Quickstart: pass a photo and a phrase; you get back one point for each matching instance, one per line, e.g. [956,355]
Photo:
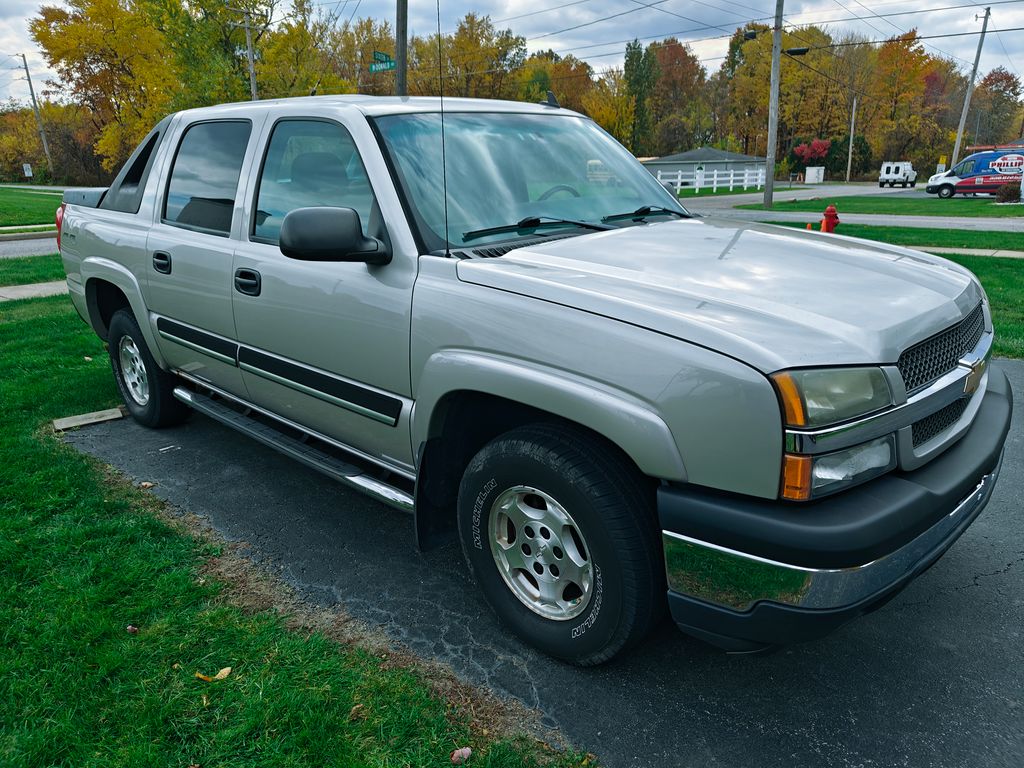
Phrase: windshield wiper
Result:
[647,210]
[531,223]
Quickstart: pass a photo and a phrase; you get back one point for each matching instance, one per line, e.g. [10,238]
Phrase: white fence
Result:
[713,180]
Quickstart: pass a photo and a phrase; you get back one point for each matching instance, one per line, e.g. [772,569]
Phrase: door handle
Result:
[248,281]
[162,262]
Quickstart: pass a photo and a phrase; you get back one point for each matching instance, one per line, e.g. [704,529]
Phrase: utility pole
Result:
[248,48]
[853,125]
[252,63]
[401,47]
[773,107]
[970,89]
[39,118]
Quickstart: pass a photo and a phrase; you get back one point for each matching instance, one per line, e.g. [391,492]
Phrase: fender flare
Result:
[620,417]
[107,270]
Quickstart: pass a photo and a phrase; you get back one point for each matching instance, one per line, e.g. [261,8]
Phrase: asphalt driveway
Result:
[936,678]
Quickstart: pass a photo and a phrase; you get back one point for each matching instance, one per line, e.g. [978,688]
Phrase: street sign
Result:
[382,66]
[380,56]
[27,169]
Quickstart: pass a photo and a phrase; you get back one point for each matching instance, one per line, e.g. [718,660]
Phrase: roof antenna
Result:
[551,101]
[444,164]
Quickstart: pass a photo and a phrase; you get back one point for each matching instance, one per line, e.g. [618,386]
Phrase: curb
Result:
[44,235]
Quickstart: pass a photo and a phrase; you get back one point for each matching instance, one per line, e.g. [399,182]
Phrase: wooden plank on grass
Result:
[95,417]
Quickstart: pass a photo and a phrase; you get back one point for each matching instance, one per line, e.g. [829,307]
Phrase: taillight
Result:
[59,217]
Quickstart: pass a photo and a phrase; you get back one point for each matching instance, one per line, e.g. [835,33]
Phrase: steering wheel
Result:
[559,188]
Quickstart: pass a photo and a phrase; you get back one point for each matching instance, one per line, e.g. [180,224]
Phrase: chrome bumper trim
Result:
[738,580]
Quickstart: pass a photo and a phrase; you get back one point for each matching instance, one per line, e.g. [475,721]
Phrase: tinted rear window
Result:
[204,178]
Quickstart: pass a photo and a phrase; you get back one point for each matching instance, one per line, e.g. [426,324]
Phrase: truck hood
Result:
[769,296]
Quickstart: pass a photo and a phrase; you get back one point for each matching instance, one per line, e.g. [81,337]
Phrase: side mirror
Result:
[329,234]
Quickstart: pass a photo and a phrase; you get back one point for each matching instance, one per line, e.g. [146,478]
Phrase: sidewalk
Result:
[32,291]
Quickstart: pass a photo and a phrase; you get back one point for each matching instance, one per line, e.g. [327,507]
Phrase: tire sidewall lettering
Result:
[478,509]
[580,630]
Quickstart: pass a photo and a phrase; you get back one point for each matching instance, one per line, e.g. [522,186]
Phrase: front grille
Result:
[926,361]
[930,426]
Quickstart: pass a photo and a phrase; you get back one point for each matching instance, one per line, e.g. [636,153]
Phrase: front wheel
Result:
[146,388]
[560,533]
[946,192]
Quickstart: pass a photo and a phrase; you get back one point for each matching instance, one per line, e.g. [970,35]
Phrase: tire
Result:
[913,184]
[946,192]
[881,184]
[904,185]
[588,509]
[147,389]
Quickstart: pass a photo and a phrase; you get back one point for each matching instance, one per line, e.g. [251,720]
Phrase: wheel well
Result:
[103,299]
[462,423]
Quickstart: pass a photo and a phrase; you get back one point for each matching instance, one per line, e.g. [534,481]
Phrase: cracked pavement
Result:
[935,678]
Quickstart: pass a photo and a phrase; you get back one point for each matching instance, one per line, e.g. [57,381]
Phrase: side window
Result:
[309,163]
[125,193]
[204,178]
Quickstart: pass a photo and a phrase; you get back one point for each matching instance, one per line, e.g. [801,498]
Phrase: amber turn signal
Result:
[792,403]
[796,477]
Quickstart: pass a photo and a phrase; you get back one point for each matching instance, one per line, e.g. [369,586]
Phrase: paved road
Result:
[918,222]
[934,679]
[783,192]
[37,246]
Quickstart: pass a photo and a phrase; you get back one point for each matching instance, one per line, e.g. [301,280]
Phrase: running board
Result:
[349,474]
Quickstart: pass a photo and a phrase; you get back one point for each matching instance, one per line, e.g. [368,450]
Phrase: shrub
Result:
[1008,193]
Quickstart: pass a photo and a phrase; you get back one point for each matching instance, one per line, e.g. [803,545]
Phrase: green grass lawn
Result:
[31,269]
[27,206]
[898,205]
[941,238]
[83,555]
[1004,283]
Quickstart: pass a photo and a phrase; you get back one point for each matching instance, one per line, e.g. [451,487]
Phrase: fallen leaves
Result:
[356,713]
[461,755]
[219,676]
[131,629]
[146,485]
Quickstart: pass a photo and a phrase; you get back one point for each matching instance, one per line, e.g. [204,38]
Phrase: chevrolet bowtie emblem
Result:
[973,380]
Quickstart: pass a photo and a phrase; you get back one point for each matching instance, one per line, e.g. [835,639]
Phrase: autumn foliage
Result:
[123,64]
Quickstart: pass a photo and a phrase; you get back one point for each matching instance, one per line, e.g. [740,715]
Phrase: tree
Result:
[296,57]
[995,107]
[612,106]
[568,77]
[113,61]
[641,74]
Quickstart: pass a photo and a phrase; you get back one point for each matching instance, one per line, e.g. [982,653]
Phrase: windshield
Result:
[506,167]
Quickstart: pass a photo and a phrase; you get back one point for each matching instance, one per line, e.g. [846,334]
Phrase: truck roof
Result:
[376,105]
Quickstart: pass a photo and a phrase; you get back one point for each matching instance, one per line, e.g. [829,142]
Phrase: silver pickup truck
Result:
[618,407]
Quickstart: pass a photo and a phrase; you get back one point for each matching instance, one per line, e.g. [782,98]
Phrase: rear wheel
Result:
[147,389]
[560,533]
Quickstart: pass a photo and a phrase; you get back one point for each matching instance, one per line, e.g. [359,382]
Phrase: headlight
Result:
[810,477]
[817,398]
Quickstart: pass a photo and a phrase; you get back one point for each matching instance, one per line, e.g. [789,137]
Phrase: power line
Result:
[597,21]
[542,10]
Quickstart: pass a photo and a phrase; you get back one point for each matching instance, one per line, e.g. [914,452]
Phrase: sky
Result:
[597,30]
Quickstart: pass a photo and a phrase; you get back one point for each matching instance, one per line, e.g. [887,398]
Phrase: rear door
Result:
[190,251]
[325,344]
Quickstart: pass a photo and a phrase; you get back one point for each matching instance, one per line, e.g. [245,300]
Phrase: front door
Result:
[324,344]
[189,281]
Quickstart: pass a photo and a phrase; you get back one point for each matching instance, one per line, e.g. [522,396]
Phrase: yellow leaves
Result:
[610,104]
[221,675]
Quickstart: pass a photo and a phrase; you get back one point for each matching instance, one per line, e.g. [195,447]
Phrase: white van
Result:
[901,173]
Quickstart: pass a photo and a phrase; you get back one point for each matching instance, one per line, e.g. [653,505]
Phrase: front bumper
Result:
[747,574]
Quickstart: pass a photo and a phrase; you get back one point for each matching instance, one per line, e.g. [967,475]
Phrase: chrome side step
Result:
[332,466]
